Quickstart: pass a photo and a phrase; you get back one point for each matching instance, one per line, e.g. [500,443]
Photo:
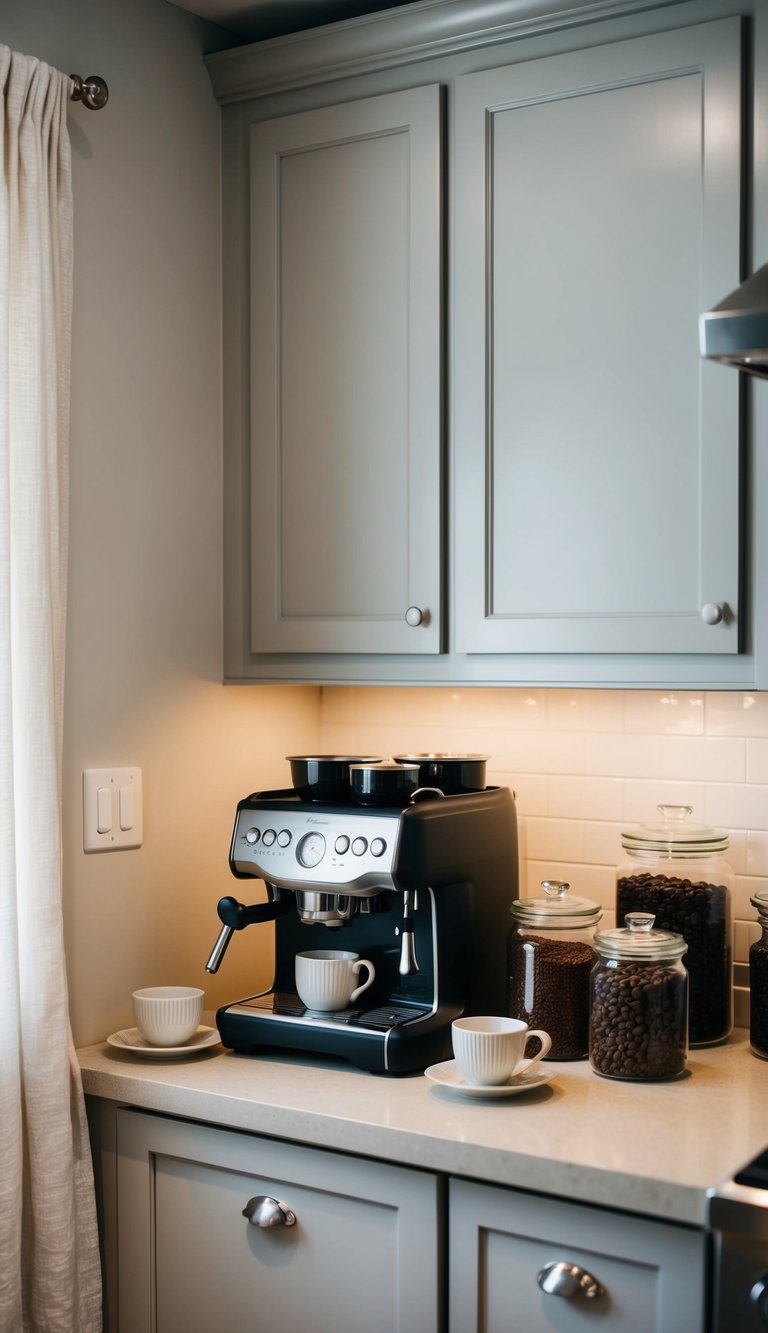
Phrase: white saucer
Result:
[130,1039]
[448,1075]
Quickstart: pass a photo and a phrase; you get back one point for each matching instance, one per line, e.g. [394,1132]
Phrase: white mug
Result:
[489,1050]
[168,1015]
[325,978]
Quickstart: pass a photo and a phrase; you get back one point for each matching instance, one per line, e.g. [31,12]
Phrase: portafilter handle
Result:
[236,916]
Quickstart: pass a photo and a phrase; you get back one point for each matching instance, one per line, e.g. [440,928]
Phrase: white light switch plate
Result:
[112,809]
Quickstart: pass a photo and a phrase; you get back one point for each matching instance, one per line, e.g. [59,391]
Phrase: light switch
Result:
[112,809]
[103,810]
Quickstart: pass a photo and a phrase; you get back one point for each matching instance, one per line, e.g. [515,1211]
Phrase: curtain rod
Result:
[92,91]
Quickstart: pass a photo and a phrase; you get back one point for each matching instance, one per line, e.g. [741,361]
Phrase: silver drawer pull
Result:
[262,1211]
[570,1281]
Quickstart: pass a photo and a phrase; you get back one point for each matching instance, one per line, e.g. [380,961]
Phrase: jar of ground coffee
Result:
[638,1002]
[550,960]
[758,980]
[675,868]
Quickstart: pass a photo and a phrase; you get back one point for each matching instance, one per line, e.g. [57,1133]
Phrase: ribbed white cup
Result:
[326,979]
[490,1049]
[168,1015]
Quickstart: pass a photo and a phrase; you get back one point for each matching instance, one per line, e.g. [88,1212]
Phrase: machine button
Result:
[360,846]
[268,837]
[252,836]
[341,844]
[378,847]
[284,838]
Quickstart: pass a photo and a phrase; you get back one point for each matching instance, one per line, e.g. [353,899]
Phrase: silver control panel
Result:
[335,852]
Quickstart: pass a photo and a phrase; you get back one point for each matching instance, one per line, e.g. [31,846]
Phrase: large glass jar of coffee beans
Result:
[550,961]
[638,1002]
[758,980]
[676,869]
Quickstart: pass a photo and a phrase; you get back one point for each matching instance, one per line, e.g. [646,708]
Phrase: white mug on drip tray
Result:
[489,1050]
[326,979]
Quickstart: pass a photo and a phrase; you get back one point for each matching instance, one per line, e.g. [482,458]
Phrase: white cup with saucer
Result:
[490,1049]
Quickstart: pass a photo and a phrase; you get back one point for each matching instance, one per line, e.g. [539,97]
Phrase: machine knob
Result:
[570,1281]
[711,613]
[262,1211]
[758,1299]
[414,616]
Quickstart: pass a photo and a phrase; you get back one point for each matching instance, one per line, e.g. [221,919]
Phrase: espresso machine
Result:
[422,887]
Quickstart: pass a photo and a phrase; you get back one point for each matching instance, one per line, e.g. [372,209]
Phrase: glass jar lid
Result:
[760,902]
[556,908]
[675,834]
[639,941]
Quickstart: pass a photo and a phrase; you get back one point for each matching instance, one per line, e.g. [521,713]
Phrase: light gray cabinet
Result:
[592,515]
[343,446]
[598,203]
[361,1252]
[598,1269]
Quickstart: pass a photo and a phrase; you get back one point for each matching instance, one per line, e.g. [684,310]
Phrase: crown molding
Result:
[392,37]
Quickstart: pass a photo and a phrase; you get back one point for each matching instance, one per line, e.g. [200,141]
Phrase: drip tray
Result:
[285,1005]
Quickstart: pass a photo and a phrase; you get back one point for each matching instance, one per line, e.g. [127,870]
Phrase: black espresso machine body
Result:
[423,891]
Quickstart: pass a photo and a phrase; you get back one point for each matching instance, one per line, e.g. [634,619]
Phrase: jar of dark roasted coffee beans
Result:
[638,1002]
[758,980]
[550,961]
[676,869]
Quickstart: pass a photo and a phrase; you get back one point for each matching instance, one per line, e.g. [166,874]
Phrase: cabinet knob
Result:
[414,616]
[758,1299]
[711,613]
[570,1281]
[262,1211]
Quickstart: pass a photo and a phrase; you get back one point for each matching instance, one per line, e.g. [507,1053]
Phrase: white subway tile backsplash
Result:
[585,764]
[705,758]
[757,759]
[664,712]
[736,714]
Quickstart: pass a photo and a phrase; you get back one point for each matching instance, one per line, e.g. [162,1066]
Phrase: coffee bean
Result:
[700,912]
[549,989]
[638,1020]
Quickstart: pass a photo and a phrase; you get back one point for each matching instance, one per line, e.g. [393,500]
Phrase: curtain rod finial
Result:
[92,91]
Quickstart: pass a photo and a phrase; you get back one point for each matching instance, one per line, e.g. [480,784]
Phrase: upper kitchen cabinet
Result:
[581,500]
[341,466]
[597,459]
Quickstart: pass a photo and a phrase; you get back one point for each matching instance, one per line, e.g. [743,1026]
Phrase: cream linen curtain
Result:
[49,1262]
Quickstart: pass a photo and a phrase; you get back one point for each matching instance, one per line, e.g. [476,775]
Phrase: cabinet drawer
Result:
[362,1252]
[653,1274]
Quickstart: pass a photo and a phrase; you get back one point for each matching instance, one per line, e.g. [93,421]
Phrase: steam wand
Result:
[236,916]
[408,963]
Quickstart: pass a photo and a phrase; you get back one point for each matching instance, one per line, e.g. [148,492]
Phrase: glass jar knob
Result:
[555,888]
[639,921]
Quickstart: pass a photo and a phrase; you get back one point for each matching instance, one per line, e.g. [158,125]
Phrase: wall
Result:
[143,657]
[586,763]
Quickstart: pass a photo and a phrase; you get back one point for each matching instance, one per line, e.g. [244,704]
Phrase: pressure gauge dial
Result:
[310,850]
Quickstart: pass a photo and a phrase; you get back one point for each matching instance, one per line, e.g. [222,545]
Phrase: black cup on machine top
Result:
[384,783]
[324,777]
[452,773]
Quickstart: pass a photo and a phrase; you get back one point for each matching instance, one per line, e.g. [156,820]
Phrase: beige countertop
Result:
[651,1148]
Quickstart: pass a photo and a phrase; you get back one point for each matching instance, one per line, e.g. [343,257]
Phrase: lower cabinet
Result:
[520,1263]
[219,1231]
[361,1252]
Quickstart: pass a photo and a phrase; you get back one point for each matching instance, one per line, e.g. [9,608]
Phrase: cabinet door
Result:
[652,1275]
[345,483]
[597,458]
[362,1253]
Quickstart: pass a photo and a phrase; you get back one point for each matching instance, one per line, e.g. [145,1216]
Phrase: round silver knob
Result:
[570,1281]
[414,616]
[262,1211]
[711,613]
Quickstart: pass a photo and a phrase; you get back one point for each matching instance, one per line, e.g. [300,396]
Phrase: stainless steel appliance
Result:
[423,890]
[736,330]
[738,1217]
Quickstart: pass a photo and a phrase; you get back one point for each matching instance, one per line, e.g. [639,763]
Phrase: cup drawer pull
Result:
[570,1281]
[262,1211]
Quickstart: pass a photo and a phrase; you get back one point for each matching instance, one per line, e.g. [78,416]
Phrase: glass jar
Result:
[550,961]
[638,1002]
[758,980]
[675,869]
